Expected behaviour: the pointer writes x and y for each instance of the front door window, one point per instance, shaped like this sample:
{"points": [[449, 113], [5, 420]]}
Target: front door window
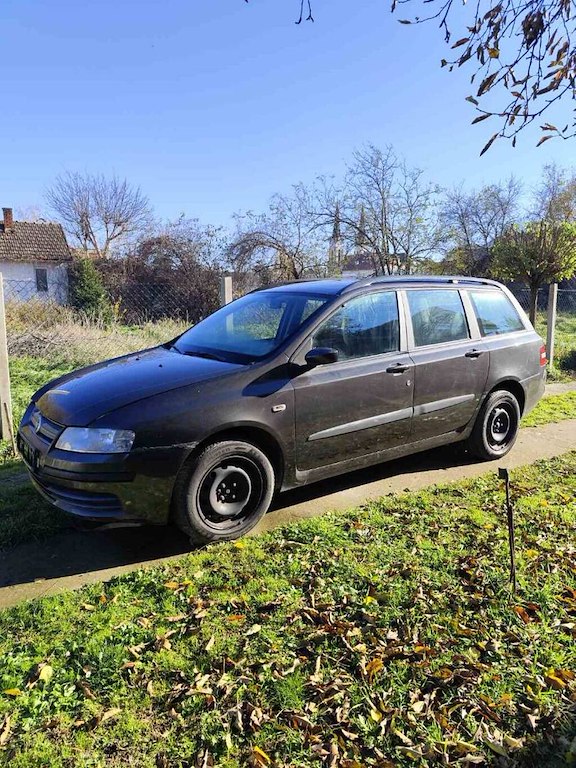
{"points": [[363, 327]]}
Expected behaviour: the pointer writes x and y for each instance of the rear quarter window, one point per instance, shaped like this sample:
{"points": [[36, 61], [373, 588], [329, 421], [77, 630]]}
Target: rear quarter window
{"points": [[495, 313]]}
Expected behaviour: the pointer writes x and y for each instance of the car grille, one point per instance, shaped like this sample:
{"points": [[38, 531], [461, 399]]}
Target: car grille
{"points": [[48, 431]]}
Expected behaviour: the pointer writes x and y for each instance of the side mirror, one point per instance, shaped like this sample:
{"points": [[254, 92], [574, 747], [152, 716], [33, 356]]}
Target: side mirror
{"points": [[321, 356]]}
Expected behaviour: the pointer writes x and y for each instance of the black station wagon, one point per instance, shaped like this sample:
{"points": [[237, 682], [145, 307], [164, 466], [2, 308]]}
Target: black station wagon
{"points": [[282, 387]]}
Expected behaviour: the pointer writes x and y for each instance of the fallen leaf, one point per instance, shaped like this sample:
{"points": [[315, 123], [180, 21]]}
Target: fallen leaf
{"points": [[528, 614], [411, 752], [46, 673], [260, 757], [13, 692], [85, 688], [109, 714], [210, 643], [254, 629], [373, 667], [553, 680], [5, 729]]}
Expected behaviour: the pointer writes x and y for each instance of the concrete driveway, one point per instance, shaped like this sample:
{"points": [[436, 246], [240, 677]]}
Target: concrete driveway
{"points": [[73, 559]]}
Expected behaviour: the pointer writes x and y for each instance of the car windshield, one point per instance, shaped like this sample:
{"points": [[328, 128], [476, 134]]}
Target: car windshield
{"points": [[252, 327]]}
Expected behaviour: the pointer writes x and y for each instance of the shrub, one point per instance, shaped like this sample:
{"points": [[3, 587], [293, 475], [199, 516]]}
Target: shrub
{"points": [[87, 293]]}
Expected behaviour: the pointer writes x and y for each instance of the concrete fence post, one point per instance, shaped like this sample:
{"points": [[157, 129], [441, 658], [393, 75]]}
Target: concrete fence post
{"points": [[5, 397], [225, 290], [551, 322]]}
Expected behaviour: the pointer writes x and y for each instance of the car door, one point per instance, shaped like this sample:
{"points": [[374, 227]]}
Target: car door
{"points": [[450, 360], [362, 403]]}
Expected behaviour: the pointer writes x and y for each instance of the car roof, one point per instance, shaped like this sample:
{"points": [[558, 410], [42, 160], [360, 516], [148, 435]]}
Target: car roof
{"points": [[336, 286]]}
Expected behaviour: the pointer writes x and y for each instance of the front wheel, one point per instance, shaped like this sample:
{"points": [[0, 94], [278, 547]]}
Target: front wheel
{"points": [[224, 492], [496, 427]]}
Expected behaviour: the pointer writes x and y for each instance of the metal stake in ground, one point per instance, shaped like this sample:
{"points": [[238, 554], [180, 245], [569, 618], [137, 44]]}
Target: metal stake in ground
{"points": [[503, 474], [5, 400]]}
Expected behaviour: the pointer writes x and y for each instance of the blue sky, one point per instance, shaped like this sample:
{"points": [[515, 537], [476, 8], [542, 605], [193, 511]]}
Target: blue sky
{"points": [[211, 106]]}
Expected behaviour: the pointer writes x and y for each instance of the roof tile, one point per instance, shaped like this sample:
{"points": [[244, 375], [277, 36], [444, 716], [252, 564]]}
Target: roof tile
{"points": [[34, 241]]}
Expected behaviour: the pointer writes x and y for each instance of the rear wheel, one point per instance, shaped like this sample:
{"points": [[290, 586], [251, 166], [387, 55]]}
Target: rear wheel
{"points": [[224, 492], [496, 427]]}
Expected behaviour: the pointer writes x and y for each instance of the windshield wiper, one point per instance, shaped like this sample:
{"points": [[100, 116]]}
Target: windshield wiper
{"points": [[205, 355]]}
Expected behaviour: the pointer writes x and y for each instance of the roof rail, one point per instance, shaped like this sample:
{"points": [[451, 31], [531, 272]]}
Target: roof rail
{"points": [[346, 281], [429, 279]]}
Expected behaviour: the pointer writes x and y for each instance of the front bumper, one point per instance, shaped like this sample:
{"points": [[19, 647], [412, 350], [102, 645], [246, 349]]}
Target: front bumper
{"points": [[135, 487]]}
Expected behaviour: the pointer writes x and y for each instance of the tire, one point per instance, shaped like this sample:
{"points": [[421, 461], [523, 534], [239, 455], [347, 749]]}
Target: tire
{"points": [[223, 492], [496, 427]]}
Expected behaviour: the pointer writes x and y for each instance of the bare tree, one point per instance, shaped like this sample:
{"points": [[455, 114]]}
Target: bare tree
{"points": [[388, 211], [524, 50], [174, 271], [554, 199], [30, 213], [473, 221], [99, 213], [284, 243]]}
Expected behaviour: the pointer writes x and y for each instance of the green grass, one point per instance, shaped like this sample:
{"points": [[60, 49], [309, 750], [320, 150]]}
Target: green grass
{"points": [[551, 409], [385, 637]]}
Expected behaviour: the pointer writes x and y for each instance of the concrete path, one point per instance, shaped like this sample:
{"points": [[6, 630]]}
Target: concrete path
{"points": [[559, 388], [73, 559]]}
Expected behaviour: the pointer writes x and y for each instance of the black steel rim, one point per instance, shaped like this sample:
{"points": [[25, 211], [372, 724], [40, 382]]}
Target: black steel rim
{"points": [[230, 492], [501, 426]]}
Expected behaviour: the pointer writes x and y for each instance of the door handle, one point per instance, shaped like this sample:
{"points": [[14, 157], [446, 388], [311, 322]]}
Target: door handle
{"points": [[474, 353], [398, 368]]}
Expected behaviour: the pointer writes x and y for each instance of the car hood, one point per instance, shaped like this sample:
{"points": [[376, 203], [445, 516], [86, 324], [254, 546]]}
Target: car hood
{"points": [[82, 396]]}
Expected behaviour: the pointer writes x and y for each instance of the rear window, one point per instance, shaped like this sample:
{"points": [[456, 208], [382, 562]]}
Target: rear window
{"points": [[495, 312], [437, 317]]}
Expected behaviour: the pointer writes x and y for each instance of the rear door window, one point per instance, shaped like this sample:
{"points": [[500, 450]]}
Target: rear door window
{"points": [[437, 317], [495, 313]]}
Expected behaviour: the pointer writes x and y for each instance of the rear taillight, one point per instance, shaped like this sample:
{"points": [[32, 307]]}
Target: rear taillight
{"points": [[543, 359]]}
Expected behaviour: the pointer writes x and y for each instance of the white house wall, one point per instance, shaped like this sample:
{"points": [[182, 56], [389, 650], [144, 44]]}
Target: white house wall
{"points": [[20, 281]]}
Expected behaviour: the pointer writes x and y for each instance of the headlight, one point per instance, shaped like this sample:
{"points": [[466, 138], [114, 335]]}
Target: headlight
{"points": [[86, 440]]}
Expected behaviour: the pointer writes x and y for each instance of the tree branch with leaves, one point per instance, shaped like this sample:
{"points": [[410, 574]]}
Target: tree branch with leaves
{"points": [[523, 55]]}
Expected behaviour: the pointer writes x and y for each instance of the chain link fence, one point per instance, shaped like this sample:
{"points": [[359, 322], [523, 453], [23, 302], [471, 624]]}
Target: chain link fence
{"points": [[566, 301], [44, 325], [565, 330]]}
